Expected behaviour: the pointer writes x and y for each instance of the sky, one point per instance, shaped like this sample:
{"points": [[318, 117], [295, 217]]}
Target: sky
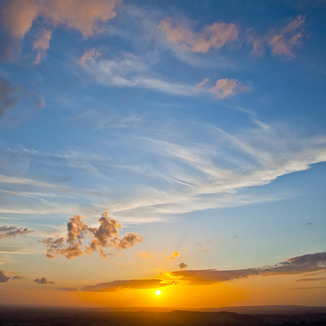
{"points": [[175, 145]]}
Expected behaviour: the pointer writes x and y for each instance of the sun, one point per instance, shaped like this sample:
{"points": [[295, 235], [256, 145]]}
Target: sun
{"points": [[158, 292]]}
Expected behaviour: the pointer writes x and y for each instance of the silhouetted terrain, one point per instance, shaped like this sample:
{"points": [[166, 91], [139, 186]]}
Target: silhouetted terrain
{"points": [[60, 316]]}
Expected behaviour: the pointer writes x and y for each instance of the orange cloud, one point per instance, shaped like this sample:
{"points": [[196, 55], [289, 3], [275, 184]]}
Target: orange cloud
{"points": [[83, 15], [174, 255], [227, 87], [145, 254], [213, 36], [104, 236], [282, 41]]}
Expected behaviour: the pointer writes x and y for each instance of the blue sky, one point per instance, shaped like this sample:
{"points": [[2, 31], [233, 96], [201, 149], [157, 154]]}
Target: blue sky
{"points": [[200, 126]]}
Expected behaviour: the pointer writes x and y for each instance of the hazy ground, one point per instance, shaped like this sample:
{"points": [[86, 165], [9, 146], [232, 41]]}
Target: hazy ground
{"points": [[59, 316]]}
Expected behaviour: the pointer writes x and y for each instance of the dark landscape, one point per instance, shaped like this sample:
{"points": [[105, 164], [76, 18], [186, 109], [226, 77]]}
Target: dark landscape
{"points": [[314, 316]]}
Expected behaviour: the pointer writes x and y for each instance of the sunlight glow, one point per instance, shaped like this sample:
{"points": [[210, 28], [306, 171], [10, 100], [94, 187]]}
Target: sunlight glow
{"points": [[158, 292]]}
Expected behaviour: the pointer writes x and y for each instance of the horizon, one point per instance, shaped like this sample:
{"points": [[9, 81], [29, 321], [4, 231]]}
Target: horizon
{"points": [[162, 155]]}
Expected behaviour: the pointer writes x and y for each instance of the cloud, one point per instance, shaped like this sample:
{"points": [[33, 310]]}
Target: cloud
{"points": [[5, 278], [89, 55], [126, 284], [282, 41], [104, 236], [311, 279], [183, 265], [12, 231], [67, 289], [8, 95], [43, 281], [145, 254], [130, 72], [42, 44], [174, 255], [85, 16], [295, 265], [227, 87], [213, 36]]}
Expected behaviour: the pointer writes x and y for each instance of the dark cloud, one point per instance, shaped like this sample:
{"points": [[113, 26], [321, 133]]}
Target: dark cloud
{"points": [[5, 278], [311, 279], [43, 280], [104, 236], [12, 231], [183, 265], [296, 265], [8, 95], [67, 289], [126, 284]]}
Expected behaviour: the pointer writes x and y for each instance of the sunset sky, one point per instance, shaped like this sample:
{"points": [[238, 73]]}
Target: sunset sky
{"points": [[169, 145]]}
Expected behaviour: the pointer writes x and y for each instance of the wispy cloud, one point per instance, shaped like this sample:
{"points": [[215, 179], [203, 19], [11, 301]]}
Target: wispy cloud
{"points": [[132, 72], [41, 45]]}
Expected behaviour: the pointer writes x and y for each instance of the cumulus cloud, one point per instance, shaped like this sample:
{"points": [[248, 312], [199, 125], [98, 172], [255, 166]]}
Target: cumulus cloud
{"points": [[213, 36], [4, 276], [12, 231], [86, 16], [8, 95], [295, 265], [281, 41], [43, 281], [183, 265], [104, 236], [227, 87], [126, 284], [174, 255]]}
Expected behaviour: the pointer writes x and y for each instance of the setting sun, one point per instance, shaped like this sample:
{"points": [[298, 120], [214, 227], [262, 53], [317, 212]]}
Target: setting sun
{"points": [[158, 292]]}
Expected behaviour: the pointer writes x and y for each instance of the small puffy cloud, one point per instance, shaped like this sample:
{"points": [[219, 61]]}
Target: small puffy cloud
{"points": [[126, 284], [12, 231], [99, 238], [4, 276], [183, 265], [296, 265], [227, 87], [42, 44], [43, 280], [281, 41], [145, 254], [213, 36], [8, 95], [174, 255]]}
